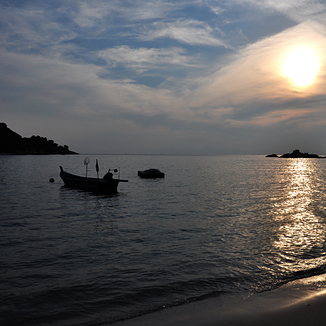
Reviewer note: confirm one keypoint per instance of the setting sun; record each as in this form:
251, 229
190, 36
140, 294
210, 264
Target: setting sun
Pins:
301, 66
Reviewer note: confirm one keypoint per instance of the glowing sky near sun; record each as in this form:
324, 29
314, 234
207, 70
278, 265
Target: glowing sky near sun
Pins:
301, 66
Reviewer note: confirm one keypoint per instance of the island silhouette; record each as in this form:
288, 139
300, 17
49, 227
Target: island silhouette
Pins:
13, 143
296, 154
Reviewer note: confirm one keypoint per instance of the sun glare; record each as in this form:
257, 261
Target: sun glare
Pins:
301, 66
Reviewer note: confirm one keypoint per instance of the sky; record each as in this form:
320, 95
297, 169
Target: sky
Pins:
187, 77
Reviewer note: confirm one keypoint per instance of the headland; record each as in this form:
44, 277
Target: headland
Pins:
13, 143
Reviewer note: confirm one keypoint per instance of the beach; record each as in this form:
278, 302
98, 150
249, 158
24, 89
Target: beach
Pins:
301, 302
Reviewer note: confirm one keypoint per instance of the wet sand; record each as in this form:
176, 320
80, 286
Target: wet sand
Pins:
301, 302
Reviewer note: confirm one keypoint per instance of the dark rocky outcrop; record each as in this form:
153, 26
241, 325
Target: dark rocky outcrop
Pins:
272, 155
13, 143
296, 154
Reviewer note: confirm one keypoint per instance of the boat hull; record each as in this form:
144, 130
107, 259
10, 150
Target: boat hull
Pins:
151, 174
89, 184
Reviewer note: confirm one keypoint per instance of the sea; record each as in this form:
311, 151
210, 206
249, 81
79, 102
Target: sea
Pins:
214, 226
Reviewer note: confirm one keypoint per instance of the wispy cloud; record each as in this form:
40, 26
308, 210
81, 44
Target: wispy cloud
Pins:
142, 59
88, 14
185, 31
297, 10
101, 13
31, 30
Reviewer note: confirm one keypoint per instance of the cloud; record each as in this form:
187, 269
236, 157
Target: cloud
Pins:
34, 29
50, 87
142, 59
103, 14
295, 115
185, 31
88, 14
300, 11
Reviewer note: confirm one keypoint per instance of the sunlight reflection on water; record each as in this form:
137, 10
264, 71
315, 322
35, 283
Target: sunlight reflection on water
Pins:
301, 232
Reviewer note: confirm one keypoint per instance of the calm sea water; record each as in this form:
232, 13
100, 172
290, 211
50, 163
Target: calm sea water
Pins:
214, 225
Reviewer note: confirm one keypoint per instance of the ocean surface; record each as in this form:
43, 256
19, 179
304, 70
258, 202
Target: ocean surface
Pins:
214, 225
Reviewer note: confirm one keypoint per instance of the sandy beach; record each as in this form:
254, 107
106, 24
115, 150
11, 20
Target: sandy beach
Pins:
301, 302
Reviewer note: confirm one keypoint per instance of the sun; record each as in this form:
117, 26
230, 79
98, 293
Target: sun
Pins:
301, 66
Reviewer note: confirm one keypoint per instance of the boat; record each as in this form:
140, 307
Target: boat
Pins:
105, 185
151, 174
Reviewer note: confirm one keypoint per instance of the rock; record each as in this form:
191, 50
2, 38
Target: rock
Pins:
297, 154
272, 155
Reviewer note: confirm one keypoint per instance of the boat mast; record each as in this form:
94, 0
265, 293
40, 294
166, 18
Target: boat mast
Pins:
86, 162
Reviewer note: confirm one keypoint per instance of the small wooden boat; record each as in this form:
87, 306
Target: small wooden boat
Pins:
91, 184
151, 174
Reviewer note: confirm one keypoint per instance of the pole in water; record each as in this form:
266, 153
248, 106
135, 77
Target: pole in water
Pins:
97, 168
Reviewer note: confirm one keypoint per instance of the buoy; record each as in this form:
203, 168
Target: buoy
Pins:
51, 180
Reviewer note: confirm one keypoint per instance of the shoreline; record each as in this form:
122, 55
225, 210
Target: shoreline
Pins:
300, 302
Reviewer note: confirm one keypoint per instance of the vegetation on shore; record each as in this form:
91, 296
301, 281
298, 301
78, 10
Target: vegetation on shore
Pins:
13, 143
